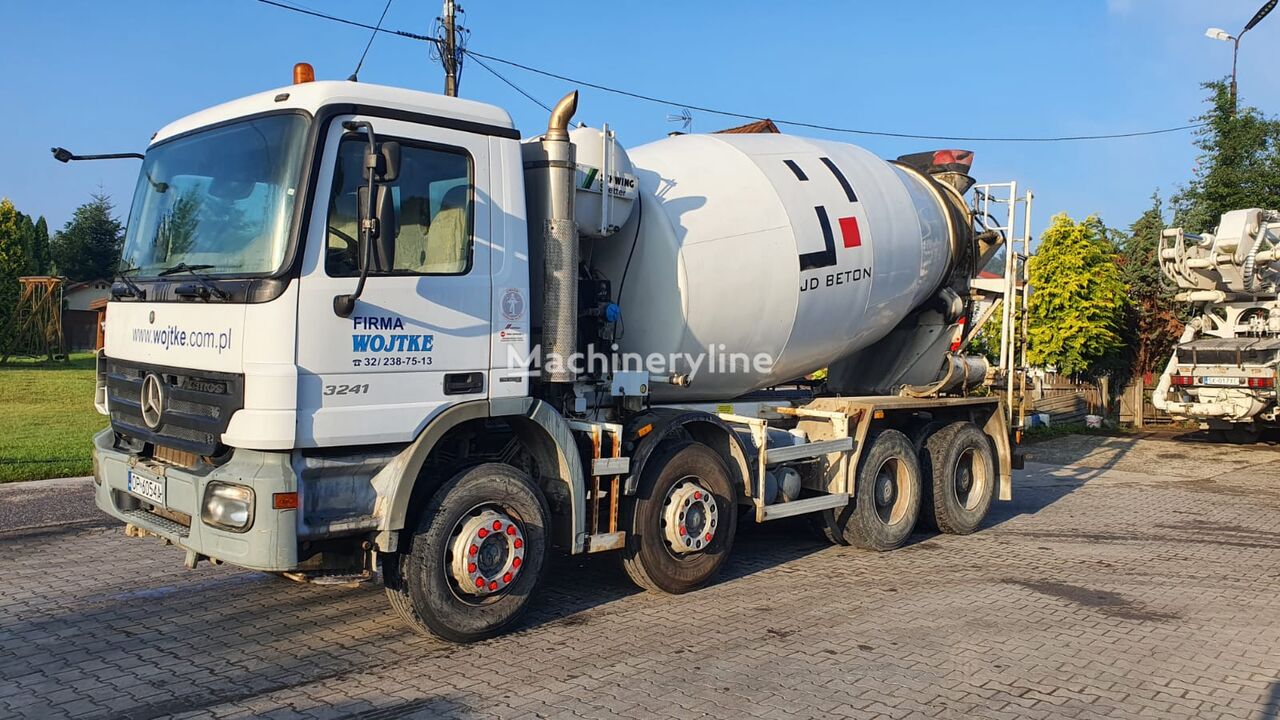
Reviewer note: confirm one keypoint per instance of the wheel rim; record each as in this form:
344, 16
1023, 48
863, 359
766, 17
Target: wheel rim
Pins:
892, 491
969, 480
690, 517
487, 552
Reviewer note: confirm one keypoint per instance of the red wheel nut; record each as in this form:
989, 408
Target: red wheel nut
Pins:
473, 550
483, 533
506, 578
518, 543
471, 567
493, 585
515, 563
479, 582
511, 529
497, 524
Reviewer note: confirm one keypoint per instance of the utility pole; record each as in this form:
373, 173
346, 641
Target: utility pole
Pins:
449, 48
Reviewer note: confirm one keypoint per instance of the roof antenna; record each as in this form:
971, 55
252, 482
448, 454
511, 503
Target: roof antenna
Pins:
368, 45
685, 118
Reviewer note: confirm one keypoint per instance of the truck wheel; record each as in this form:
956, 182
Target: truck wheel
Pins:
681, 523
918, 438
476, 558
1242, 434
962, 477
886, 500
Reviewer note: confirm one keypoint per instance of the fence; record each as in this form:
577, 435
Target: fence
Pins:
1138, 394
1067, 401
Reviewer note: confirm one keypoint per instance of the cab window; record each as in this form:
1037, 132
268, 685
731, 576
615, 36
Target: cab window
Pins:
433, 206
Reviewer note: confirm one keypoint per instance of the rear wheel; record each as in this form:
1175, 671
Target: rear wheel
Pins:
476, 558
680, 525
886, 502
962, 478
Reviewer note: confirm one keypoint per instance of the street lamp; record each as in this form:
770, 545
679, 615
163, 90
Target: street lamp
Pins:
1223, 35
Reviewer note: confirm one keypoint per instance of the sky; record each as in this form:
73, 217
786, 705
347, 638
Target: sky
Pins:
102, 77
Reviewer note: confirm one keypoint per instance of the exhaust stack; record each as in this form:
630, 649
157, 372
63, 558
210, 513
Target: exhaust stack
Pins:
560, 247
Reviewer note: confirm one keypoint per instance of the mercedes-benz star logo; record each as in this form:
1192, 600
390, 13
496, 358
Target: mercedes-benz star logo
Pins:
152, 400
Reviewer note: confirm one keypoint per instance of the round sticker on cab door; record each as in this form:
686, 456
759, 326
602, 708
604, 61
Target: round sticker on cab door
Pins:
513, 304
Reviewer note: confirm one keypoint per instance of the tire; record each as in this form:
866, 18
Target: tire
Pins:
424, 585
962, 477
650, 557
1242, 434
919, 436
886, 502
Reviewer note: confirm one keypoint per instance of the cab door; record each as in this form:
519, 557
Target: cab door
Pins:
418, 339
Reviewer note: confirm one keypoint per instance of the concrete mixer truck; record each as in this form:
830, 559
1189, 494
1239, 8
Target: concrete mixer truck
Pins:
366, 333
1223, 370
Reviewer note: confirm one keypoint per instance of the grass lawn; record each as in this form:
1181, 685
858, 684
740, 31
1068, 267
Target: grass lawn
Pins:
47, 420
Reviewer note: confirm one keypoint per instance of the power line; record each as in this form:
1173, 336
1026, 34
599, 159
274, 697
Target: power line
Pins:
829, 128
515, 87
345, 21
727, 113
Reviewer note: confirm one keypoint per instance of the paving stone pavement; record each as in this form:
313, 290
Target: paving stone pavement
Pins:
1129, 578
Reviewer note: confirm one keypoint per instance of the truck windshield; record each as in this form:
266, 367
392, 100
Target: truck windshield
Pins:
220, 199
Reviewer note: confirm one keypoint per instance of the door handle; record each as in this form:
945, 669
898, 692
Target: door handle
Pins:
463, 383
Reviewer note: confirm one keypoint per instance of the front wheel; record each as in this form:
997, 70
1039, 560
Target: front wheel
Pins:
681, 524
476, 557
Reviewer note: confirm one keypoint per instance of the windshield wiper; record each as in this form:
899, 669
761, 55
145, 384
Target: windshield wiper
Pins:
194, 271
131, 288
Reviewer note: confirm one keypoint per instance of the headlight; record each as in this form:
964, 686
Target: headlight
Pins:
229, 507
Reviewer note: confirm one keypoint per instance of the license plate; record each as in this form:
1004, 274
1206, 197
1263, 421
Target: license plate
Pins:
1227, 381
151, 489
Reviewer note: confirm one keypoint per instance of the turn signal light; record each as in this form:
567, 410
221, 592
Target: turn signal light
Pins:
1262, 382
285, 501
1182, 379
303, 73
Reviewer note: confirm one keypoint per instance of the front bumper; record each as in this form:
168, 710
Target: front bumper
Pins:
271, 541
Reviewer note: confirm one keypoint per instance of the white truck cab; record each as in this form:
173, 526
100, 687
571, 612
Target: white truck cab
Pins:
308, 364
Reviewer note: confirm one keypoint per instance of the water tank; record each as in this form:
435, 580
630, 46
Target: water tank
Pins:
799, 249
602, 164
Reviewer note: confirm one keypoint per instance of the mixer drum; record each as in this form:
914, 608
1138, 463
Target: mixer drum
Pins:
799, 250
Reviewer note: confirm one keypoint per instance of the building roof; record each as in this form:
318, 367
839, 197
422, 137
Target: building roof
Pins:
759, 126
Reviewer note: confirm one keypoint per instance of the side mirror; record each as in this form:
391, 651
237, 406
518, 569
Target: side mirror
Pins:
377, 212
385, 160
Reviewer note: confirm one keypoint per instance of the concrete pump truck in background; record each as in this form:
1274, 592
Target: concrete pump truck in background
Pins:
367, 332
1223, 370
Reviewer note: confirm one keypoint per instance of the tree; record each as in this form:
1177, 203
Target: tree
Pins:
40, 248
1078, 302
1238, 166
88, 246
1155, 319
27, 236
12, 262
